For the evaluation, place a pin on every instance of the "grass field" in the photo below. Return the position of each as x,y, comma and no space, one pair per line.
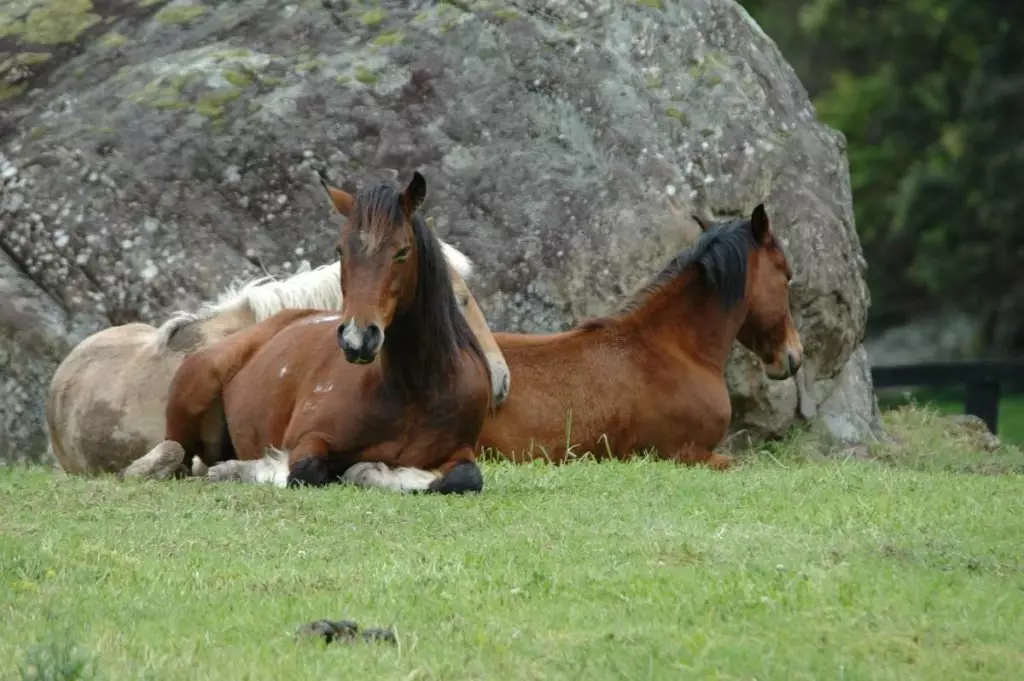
792,566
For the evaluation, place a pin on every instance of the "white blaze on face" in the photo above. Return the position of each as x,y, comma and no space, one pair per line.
351,336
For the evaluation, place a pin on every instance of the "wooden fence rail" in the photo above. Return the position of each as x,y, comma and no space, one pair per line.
983,380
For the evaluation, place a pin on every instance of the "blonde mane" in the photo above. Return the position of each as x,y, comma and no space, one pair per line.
318,289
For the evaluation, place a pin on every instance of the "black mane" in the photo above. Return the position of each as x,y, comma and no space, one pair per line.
424,341
720,253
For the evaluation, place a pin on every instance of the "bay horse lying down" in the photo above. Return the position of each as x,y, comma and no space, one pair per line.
106,401
651,376
391,392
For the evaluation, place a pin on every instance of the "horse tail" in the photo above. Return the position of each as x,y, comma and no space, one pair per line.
166,332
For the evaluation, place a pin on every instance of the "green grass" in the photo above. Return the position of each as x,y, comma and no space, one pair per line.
793,566
951,401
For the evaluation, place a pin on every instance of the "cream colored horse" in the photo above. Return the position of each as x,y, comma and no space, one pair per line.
105,406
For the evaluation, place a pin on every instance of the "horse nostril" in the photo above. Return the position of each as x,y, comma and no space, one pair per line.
794,362
372,336
343,340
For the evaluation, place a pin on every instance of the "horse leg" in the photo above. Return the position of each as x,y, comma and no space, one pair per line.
196,391
159,464
379,474
499,371
272,469
307,464
695,456
459,475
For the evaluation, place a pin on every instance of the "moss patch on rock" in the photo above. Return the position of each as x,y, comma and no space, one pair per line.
373,17
388,39
50,23
29,58
675,113
113,39
365,75
310,65
238,79
179,14
8,91
507,15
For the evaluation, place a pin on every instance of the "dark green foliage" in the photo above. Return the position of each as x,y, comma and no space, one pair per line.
930,95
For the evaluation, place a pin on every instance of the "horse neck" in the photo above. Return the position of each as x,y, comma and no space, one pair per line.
402,358
684,314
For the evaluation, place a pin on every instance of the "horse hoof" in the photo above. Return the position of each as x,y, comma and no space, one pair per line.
464,477
310,471
720,462
159,464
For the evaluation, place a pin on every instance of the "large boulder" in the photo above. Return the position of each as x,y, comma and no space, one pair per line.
153,153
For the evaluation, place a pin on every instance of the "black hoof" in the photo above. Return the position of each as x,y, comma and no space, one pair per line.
464,477
311,471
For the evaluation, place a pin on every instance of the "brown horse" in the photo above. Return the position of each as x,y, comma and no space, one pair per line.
393,396
106,401
653,375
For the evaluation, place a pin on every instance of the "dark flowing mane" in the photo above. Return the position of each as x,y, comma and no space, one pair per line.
424,341
720,253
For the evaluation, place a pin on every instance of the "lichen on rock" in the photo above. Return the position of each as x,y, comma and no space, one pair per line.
179,12
47,22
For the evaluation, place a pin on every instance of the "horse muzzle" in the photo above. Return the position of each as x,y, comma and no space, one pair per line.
784,366
360,344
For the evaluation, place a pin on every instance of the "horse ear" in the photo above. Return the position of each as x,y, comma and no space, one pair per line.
700,223
760,225
341,200
414,194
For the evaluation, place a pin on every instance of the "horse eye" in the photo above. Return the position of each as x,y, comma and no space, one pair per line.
402,254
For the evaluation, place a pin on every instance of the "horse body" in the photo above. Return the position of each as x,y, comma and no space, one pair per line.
392,392
601,390
106,401
105,406
653,375
293,412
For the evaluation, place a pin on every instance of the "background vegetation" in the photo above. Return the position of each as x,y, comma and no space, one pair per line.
930,96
